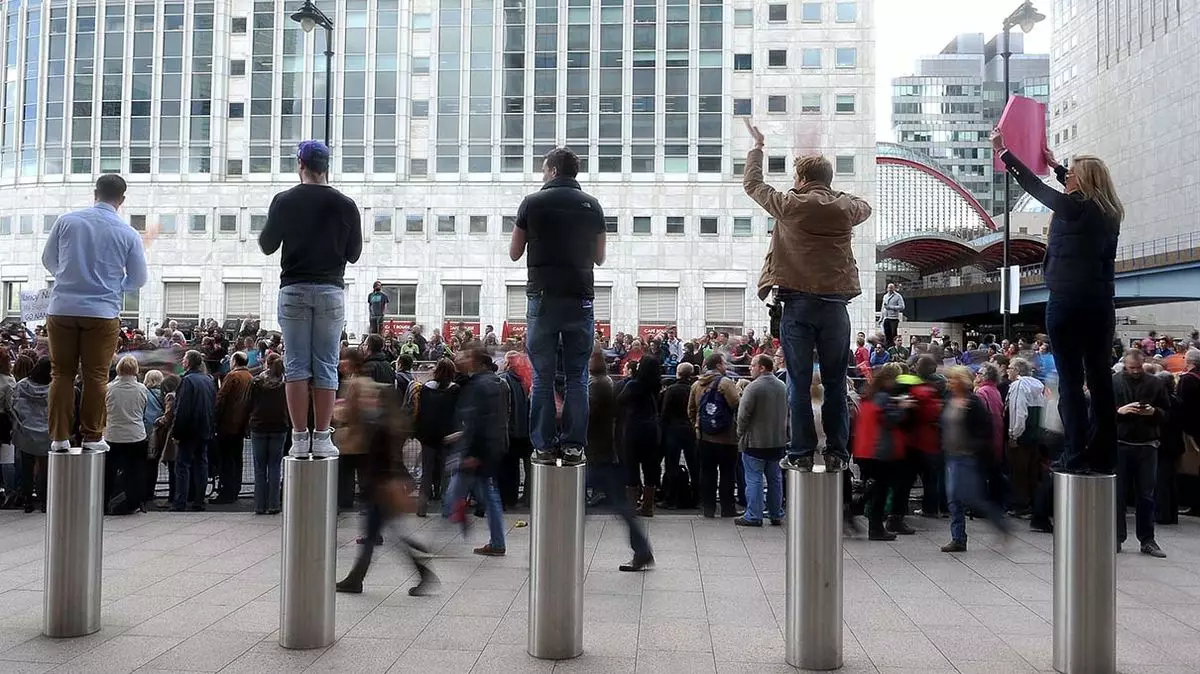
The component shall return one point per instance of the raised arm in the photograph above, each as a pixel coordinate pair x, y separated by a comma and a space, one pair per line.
763, 194
1049, 197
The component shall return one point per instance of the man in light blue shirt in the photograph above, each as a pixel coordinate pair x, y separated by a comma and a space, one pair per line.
95, 258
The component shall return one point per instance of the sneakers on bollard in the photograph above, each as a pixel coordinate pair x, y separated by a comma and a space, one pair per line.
96, 446
803, 464
834, 464
60, 446
322, 445
545, 457
301, 444
572, 456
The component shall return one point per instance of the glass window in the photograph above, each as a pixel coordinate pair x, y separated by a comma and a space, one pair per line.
611, 224
844, 165
383, 223
462, 302
237, 110
198, 224
445, 224
777, 12
422, 21
641, 224
810, 12
478, 224
846, 57
137, 222
810, 104
708, 225
742, 226
414, 223
237, 67
775, 165
742, 62
420, 109
777, 58
743, 17
420, 65
770, 225
402, 301
257, 223
742, 107
776, 103
845, 103
238, 25
810, 57
847, 11
674, 224
166, 224
508, 223
227, 224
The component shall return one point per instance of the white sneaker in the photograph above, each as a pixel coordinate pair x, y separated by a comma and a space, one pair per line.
301, 444
97, 446
322, 445
60, 446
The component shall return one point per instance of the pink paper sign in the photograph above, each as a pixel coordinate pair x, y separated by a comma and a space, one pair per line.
1024, 127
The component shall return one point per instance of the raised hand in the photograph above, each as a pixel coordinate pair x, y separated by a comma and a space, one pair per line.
754, 132
1048, 154
998, 141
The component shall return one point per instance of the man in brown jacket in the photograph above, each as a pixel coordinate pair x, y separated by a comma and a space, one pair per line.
233, 416
810, 266
717, 429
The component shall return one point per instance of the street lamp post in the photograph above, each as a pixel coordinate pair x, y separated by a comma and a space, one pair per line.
1025, 16
309, 17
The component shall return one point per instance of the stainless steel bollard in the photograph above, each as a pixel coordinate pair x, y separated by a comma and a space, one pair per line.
1085, 574
74, 543
307, 580
556, 563
813, 635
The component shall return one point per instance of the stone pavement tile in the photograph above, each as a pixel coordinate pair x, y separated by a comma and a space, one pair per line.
870, 616
474, 602
738, 643
656, 604
136, 608
977, 594
658, 662
1155, 593
44, 649
15, 667
185, 584
1156, 626
417, 660
613, 608
400, 597
671, 580
730, 585
916, 670
457, 633
908, 587
233, 593
487, 578
971, 644
751, 610
17, 601
607, 639
724, 667
229, 563
900, 649
514, 630
1134, 652
593, 664
1023, 589
1037, 650
392, 622
208, 651
712, 565
769, 563
1043, 608
271, 657
936, 612
613, 582
257, 617
360, 656
674, 635
1019, 667
1011, 620
123, 653
510, 659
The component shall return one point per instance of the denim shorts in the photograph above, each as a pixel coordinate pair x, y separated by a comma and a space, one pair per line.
311, 318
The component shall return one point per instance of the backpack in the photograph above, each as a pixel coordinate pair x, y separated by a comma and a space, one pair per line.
716, 416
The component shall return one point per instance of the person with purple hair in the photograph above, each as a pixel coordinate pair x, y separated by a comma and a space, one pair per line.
320, 231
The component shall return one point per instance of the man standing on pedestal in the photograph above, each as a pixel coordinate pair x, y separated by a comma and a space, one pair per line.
95, 258
811, 268
890, 312
563, 228
377, 303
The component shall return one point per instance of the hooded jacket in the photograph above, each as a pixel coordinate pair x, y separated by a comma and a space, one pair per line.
1026, 403
268, 405
31, 422
727, 388
379, 369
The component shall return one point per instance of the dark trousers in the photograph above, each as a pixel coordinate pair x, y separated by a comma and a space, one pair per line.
376, 325
610, 478
508, 480
1025, 469
644, 466
679, 440
125, 475
1137, 466
1166, 492
809, 326
717, 467
903, 479
191, 472
433, 477
1081, 335
33, 477
348, 468
890, 327
229, 466
934, 497
878, 478
373, 531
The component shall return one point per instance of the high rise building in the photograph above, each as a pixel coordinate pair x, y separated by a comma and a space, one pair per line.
949, 105
442, 111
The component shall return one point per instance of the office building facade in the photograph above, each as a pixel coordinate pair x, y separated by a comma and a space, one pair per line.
442, 110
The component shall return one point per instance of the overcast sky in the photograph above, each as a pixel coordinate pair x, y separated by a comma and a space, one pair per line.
907, 29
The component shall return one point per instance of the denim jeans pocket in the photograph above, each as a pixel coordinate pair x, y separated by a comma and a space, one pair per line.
534, 304
330, 304
294, 304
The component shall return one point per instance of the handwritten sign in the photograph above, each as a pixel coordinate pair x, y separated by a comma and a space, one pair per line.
34, 305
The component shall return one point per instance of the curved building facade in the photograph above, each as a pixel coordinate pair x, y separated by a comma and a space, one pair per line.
442, 110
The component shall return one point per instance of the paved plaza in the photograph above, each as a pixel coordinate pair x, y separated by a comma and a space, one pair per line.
199, 592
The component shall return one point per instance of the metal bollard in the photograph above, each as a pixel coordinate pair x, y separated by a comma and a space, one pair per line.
813, 635
307, 581
1085, 574
556, 563
74, 543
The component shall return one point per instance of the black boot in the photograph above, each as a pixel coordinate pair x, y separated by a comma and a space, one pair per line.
639, 563
351, 584
428, 584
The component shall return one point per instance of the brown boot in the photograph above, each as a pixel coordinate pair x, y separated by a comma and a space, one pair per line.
647, 509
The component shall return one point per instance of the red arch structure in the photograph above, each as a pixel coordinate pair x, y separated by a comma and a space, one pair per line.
945, 180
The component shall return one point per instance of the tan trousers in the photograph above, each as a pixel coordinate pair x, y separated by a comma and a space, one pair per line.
85, 346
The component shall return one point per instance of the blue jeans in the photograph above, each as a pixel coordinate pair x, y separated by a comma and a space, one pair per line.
810, 323
268, 459
1137, 465
191, 469
1081, 336
559, 326
755, 468
486, 493
311, 318
964, 488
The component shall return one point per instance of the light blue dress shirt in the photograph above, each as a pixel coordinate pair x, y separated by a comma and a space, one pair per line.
95, 257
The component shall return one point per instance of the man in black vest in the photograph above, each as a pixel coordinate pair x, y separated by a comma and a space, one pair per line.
563, 228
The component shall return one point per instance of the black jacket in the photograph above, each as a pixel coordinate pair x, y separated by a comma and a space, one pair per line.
602, 421
268, 405
481, 411
1082, 249
561, 223
675, 403
379, 369
1134, 428
1189, 402
195, 407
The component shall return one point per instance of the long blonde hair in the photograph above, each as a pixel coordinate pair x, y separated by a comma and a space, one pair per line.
1095, 182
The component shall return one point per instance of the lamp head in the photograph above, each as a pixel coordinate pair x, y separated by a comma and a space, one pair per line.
307, 24
1026, 17
309, 17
